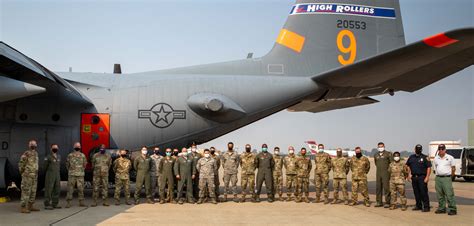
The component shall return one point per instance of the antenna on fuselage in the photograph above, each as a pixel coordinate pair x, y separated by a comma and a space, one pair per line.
117, 69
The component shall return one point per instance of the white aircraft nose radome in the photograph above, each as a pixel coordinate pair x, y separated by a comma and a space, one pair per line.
11, 89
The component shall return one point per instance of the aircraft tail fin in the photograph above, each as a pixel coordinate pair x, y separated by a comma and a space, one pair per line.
320, 35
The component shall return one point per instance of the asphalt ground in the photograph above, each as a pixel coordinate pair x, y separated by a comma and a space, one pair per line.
231, 213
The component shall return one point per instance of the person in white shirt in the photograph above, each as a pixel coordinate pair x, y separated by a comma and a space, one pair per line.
444, 168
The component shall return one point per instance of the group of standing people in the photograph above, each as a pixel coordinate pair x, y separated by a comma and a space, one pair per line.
188, 176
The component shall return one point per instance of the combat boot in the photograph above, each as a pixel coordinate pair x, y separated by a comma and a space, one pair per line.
48, 208
117, 202
149, 201
94, 203
180, 201
236, 199
289, 198
81, 203
24, 209
105, 202
127, 202
199, 201
257, 198
346, 202
162, 201
392, 207
270, 198
334, 201
404, 207
353, 203
242, 199
306, 200
297, 199
32, 208
326, 201
317, 199
68, 203
213, 201
367, 203
225, 198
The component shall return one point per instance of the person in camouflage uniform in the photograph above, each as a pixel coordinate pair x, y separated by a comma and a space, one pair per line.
165, 168
185, 171
359, 166
230, 162
247, 174
76, 163
122, 167
398, 174
322, 162
101, 163
52, 186
28, 167
290, 167
142, 164
154, 174
340, 169
216, 157
278, 174
206, 167
303, 168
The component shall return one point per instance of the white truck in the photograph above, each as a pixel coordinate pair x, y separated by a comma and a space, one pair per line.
464, 160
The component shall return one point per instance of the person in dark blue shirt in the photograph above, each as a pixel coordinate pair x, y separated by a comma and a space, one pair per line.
419, 170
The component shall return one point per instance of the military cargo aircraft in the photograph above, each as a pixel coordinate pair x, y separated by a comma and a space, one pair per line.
328, 55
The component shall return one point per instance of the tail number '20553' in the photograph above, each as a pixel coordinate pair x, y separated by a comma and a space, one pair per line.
351, 24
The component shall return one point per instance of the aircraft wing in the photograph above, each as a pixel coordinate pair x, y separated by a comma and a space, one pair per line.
21, 76
408, 68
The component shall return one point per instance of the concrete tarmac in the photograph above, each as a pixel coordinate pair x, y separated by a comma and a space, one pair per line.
230, 213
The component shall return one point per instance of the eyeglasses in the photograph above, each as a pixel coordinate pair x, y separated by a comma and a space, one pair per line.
441, 149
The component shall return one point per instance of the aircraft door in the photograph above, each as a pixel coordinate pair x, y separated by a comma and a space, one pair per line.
95, 130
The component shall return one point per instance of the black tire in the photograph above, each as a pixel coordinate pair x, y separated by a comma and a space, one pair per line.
468, 179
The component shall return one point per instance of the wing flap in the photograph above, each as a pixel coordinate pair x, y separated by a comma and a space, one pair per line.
327, 105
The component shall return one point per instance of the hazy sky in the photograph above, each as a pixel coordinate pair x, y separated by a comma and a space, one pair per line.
146, 35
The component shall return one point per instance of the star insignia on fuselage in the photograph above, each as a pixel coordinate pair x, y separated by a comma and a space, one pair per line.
161, 115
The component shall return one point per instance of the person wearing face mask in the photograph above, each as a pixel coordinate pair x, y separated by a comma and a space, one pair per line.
340, 166
290, 170
195, 156
165, 168
142, 165
154, 174
206, 167
76, 164
322, 162
419, 170
122, 167
230, 162
278, 174
216, 157
28, 167
382, 160
185, 171
265, 165
52, 188
101, 162
303, 169
398, 174
360, 167
247, 174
